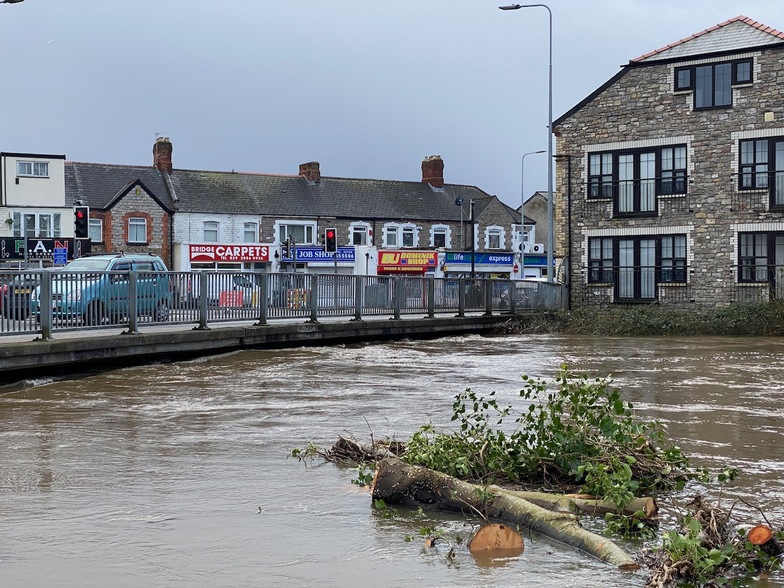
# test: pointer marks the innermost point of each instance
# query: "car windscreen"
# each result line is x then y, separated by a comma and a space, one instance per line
86, 264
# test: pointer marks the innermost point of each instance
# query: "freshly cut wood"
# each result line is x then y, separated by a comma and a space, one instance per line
397, 482
585, 503
496, 537
760, 535
347, 450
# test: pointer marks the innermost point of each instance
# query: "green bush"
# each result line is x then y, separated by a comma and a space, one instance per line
752, 319
580, 432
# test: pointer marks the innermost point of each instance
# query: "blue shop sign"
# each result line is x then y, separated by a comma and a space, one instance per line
481, 258
318, 255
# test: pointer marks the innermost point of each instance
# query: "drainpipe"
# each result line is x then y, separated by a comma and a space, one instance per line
569, 228
175, 205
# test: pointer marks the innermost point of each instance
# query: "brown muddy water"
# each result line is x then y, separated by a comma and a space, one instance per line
177, 474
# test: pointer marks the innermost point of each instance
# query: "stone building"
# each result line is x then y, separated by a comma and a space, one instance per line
670, 176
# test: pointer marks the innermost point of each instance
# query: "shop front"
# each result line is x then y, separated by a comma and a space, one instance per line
405, 262
21, 253
244, 257
318, 261
485, 265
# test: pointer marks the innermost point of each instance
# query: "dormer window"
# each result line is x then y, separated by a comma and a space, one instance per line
712, 82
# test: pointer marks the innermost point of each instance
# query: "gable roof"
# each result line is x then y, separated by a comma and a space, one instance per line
130, 186
734, 34
99, 185
481, 205
248, 193
212, 192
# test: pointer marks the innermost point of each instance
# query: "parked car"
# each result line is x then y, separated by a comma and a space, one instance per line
15, 295
226, 289
95, 289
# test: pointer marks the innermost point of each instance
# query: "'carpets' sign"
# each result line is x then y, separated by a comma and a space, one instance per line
213, 252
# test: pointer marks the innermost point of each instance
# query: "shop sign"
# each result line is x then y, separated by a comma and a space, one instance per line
13, 248
481, 258
535, 260
318, 255
213, 252
407, 261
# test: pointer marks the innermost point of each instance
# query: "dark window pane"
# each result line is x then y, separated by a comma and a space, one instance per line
703, 93
723, 85
683, 79
743, 72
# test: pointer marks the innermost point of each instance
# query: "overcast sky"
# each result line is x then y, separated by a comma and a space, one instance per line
366, 87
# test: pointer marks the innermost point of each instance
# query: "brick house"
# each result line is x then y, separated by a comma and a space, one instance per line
670, 176
131, 207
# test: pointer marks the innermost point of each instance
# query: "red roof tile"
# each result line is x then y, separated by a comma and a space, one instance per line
744, 19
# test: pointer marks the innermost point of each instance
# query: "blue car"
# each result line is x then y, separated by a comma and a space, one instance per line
95, 290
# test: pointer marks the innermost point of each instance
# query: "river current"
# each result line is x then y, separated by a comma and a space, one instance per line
176, 474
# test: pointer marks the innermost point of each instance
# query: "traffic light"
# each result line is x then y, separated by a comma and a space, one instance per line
330, 240
284, 249
81, 222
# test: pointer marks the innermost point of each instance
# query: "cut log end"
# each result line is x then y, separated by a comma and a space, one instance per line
760, 535
496, 537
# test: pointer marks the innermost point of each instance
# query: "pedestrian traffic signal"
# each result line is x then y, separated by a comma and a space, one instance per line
284, 249
81, 222
330, 240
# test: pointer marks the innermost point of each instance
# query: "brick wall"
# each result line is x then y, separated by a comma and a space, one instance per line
138, 204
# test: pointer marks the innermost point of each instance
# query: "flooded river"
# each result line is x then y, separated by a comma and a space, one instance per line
177, 474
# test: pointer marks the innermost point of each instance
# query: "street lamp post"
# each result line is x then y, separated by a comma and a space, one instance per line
550, 203
522, 208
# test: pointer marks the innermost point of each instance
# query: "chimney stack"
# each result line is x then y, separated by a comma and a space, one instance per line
311, 172
433, 171
162, 154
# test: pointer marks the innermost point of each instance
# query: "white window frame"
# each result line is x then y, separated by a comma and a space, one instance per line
395, 233
363, 230
137, 223
210, 231
95, 230
412, 231
32, 169
309, 229
495, 231
53, 220
390, 236
445, 230
250, 232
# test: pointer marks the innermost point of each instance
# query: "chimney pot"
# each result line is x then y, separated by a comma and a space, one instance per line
433, 171
162, 154
311, 172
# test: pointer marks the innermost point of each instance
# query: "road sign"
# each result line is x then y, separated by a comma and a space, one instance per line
60, 255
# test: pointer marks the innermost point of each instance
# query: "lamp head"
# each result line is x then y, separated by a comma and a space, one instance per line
511, 7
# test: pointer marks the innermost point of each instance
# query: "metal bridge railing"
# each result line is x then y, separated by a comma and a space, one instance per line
51, 300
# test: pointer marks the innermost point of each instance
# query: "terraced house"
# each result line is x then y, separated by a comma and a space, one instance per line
670, 176
212, 220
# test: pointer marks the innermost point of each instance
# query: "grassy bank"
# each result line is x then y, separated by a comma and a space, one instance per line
742, 320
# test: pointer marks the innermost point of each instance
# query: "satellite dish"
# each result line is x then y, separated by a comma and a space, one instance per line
459, 201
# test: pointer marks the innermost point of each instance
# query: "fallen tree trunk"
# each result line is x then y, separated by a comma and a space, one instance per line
397, 482
584, 504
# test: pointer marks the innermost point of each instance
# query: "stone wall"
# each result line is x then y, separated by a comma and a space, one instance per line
641, 109
138, 204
